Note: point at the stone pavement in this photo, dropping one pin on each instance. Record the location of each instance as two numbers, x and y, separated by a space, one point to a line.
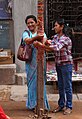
19 93
13 99
14 93
17 110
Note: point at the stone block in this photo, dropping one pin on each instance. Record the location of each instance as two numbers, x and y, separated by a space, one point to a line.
7 74
5 92
20 78
19 93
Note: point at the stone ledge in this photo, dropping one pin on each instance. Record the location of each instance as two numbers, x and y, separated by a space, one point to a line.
7 74
20 78
13 92
19 93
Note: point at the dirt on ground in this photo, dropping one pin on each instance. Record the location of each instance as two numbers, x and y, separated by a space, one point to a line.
17 110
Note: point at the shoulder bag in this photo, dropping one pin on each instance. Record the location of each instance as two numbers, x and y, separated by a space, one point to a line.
24 51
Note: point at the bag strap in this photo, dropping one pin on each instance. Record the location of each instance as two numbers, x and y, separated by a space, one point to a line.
27 32
22 42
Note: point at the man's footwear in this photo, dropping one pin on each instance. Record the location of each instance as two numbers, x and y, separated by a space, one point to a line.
58 109
67 111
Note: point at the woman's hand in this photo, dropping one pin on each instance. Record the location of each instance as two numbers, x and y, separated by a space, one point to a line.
48 42
40 37
42 46
38 44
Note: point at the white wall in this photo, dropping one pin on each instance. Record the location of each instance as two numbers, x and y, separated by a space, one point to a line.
21 8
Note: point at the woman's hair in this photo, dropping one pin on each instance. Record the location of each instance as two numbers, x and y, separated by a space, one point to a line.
66 30
60 21
30 16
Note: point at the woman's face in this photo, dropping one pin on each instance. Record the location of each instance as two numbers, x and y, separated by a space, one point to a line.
58 28
31 24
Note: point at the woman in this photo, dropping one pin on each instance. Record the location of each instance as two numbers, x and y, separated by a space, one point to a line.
62 45
31 67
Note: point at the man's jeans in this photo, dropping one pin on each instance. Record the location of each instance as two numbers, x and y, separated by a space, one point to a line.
64 74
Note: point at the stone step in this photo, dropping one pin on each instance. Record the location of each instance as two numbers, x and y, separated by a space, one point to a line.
7 74
13 92
20 78
20 93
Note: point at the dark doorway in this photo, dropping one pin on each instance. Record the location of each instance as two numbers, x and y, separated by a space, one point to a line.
71 11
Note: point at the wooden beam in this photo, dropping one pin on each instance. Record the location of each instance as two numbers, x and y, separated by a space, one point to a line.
40 63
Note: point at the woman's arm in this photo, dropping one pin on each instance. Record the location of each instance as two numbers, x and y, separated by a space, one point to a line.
43 46
27 37
31 40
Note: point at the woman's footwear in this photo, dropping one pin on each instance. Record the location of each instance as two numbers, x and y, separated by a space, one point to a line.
33 109
58 109
67 111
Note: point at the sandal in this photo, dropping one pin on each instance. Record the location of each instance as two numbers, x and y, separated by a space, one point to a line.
67 111
58 109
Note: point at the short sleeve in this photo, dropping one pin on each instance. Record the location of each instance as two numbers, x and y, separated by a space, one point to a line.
25 35
45 35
